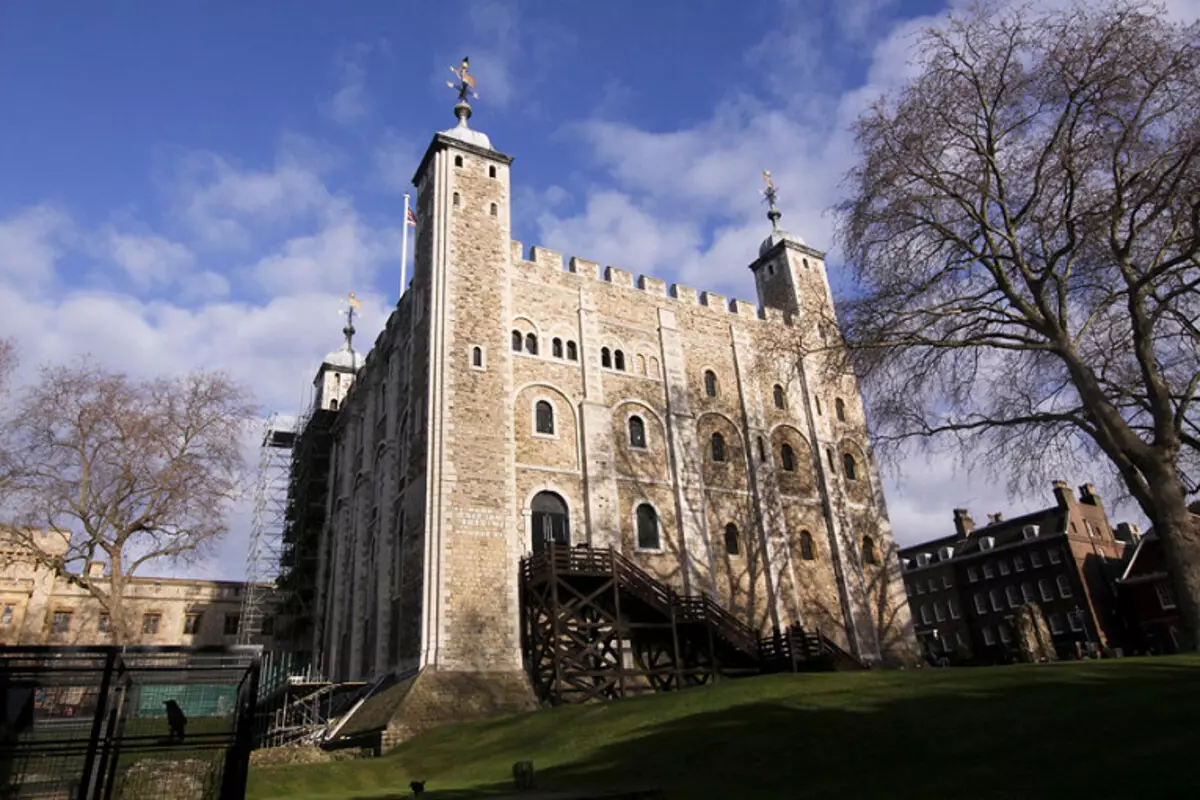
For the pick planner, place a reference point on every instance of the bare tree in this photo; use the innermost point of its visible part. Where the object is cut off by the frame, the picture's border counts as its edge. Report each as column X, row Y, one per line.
column 1024, row 225
column 135, row 472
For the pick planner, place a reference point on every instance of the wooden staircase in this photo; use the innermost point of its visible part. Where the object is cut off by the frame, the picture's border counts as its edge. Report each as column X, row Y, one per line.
column 595, row 625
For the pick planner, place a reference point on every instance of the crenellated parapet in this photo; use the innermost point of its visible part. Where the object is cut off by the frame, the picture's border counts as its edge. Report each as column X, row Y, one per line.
column 540, row 260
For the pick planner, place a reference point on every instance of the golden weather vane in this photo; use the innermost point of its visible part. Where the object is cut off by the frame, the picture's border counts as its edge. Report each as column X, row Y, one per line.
column 466, row 81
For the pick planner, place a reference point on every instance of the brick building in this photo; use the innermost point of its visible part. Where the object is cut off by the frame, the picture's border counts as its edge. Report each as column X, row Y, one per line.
column 965, row 590
column 512, row 401
column 1148, row 601
column 40, row 608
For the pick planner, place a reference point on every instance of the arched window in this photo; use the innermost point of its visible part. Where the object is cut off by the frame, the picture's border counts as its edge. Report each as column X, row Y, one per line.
column 805, row 262
column 556, row 347
column 551, row 523
column 458, row 162
column 787, row 458
column 732, row 545
column 848, row 466
column 817, row 401
column 1027, row 592
column 457, row 200
column 647, row 528
column 637, row 432
column 495, row 210
column 572, row 352
column 1047, row 589
column 544, row 413
column 333, row 404
column 710, row 383
column 869, row 554
column 807, row 552
column 491, row 172
column 997, row 600
column 531, row 344
column 641, row 364
column 619, row 360
column 839, row 408
column 605, row 358
column 762, row 449
column 476, row 356
column 780, row 400
column 652, row 367
column 718, row 447
column 1064, row 586
column 517, row 341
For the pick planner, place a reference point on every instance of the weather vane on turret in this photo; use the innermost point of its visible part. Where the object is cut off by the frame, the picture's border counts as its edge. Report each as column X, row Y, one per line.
column 352, row 305
column 770, row 193
column 465, row 87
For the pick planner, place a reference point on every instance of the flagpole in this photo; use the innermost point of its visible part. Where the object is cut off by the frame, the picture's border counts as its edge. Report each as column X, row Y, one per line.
column 404, row 250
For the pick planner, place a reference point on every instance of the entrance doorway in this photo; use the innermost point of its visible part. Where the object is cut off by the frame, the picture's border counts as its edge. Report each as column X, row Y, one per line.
column 551, row 524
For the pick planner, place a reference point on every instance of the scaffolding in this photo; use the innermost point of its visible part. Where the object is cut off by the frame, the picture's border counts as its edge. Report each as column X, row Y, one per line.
column 266, row 530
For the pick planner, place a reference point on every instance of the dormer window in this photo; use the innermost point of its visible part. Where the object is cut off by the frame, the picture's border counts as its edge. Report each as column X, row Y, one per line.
column 987, row 542
column 1030, row 532
column 946, row 553
column 923, row 560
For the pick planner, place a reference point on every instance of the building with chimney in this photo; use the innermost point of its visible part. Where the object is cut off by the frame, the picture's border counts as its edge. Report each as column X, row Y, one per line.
column 991, row 593
column 517, row 402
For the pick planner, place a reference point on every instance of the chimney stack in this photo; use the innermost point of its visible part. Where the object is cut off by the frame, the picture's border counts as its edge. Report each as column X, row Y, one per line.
column 1087, row 494
column 963, row 523
column 1062, row 493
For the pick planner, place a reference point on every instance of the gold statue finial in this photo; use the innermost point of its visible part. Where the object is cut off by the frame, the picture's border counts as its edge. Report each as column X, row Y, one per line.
column 466, row 81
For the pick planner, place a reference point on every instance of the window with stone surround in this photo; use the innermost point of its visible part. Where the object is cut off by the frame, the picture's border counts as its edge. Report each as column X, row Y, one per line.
column 518, row 341
column 762, row 449
column 647, row 528
column 458, row 161
column 491, row 172
column 60, row 622
column 710, row 383
column 849, row 467
column 477, row 357
column 232, row 624
column 996, row 600
column 457, row 200
column 150, row 623
column 6, row 618
column 817, row 401
column 980, row 603
column 619, row 360
column 1056, row 623
column 191, row 623
column 544, row 418
column 1064, row 587
column 531, row 344
column 1166, row 595
column 652, row 367
column 807, row 550
column 870, row 554
column 989, row 636
column 556, row 347
column 1054, row 556
column 718, row 447
column 637, row 433
column 641, row 364
column 1013, row 596
column 780, row 399
column 787, row 458
column 1028, row 593
column 1047, row 589
column 605, row 358
column 572, row 352
column 732, row 545
column 495, row 210
column 840, row 409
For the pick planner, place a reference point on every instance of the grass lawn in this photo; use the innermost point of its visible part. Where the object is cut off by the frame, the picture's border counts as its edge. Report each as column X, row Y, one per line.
column 1113, row 729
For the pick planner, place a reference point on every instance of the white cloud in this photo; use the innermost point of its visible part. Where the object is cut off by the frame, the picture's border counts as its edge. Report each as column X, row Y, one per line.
column 351, row 103
column 147, row 259
column 31, row 242
column 395, row 159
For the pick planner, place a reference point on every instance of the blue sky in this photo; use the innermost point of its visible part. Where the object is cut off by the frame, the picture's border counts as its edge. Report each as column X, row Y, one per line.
column 190, row 185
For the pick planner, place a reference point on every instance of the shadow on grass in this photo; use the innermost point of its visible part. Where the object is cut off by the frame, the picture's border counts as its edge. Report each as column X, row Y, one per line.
column 1103, row 730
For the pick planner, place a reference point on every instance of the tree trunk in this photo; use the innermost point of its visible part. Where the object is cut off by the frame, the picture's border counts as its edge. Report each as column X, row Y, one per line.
column 1179, row 531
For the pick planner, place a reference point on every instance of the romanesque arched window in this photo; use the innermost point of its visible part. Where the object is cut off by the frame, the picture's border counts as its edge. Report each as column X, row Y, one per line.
column 647, row 528
column 718, row 447
column 641, row 364
column 605, row 358
column 762, row 449
column 710, row 383
column 732, row 545
column 457, row 200
column 807, row 551
column 637, row 432
column 619, row 360
column 517, row 341
column 531, row 344
column 869, row 554
column 839, row 408
column 780, row 399
column 550, row 520
column 572, row 352
column 556, row 348
column 544, row 416
column 458, row 162
column 787, row 458
column 849, row 467
column 491, row 172
column 476, row 356
column 495, row 210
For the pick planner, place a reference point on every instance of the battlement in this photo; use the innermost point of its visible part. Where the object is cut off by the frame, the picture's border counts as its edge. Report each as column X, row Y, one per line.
column 543, row 259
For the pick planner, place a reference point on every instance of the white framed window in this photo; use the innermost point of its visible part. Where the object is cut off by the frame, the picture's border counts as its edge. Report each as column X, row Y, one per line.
column 933, row 585
column 1064, row 586
column 987, row 542
column 923, row 560
column 946, row 582
column 1030, row 532
column 939, row 611
column 1013, row 596
column 946, row 553
column 1054, row 556
column 958, row 637
column 989, row 571
column 543, row 419
column 980, row 603
column 955, row 613
column 1091, row 531
column 1003, row 565
column 972, row 574
column 478, row 358
column 1047, row 589
column 1019, row 563
column 1035, row 559
column 1166, row 595
column 926, row 617
column 649, row 535
column 989, row 636
column 1005, row 633
column 1028, row 592
column 997, row 600
column 1056, row 623
column 1075, row 621
column 919, row 586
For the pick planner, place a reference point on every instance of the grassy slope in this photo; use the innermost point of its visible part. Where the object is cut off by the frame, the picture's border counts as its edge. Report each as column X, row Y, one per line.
column 1093, row 729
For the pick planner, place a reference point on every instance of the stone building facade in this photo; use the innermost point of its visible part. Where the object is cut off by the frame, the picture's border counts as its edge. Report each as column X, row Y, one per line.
column 966, row 590
column 39, row 608
column 513, row 400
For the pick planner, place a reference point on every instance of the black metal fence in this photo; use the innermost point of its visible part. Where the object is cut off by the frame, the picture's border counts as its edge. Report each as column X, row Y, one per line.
column 126, row 723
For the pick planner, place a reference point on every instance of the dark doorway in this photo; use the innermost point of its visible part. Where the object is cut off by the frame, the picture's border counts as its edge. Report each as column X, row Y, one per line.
column 550, row 521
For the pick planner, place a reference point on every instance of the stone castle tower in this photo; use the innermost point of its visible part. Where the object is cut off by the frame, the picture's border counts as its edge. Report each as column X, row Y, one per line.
column 511, row 402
